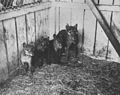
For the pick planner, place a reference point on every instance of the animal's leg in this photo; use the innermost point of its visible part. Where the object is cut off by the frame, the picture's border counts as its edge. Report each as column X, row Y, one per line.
column 76, row 51
column 26, row 66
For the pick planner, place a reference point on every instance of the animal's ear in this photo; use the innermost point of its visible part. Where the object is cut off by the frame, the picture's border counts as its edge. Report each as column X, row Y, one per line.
column 67, row 27
column 76, row 25
column 24, row 44
column 54, row 36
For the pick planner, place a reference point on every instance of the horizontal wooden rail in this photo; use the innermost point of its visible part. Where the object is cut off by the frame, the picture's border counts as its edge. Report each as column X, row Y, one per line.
column 84, row 6
column 11, row 13
column 104, row 25
column 115, row 8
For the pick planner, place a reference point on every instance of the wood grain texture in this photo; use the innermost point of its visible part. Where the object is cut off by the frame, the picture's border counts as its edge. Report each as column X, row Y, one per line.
column 89, row 32
column 77, row 18
column 38, row 24
column 30, row 27
column 3, row 59
column 21, row 32
column 11, row 41
column 104, row 25
column 24, row 10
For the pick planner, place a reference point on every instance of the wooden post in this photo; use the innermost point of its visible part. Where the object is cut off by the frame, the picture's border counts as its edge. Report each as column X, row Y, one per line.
column 104, row 25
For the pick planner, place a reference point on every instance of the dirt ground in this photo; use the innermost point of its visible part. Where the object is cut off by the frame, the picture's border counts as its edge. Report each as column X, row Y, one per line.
column 81, row 76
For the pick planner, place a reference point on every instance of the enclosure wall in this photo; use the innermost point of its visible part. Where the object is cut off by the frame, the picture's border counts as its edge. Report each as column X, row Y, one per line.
column 93, row 40
column 26, row 24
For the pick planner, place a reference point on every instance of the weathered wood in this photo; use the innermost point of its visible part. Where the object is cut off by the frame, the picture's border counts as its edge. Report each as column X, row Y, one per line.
column 82, row 6
column 102, row 44
column 108, row 50
column 24, row 10
column 78, row 1
column 10, row 33
column 43, row 24
column 56, row 19
column 35, row 24
column 46, row 26
column 115, row 8
column 70, row 5
column 64, row 17
column 48, row 23
column 89, row 32
column 101, row 39
column 104, row 25
column 59, row 18
column 38, row 24
column 117, row 2
column 108, row 2
column 77, row 18
column 17, row 40
column 51, row 22
column 83, row 25
column 3, row 59
column 115, row 26
column 30, row 27
column 21, row 31
column 94, row 47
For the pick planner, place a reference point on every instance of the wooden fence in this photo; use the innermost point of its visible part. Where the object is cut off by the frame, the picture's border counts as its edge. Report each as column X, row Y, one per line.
column 31, row 21
column 18, row 26
column 92, row 37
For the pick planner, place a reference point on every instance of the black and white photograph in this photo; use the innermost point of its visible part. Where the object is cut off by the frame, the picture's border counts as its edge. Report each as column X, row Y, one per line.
column 59, row 47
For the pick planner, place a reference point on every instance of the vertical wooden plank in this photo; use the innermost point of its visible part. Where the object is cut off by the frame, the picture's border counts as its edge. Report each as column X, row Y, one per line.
column 46, row 30
column 35, row 24
column 55, row 13
column 51, row 22
column 64, row 17
column 96, row 1
column 30, row 27
column 9, row 26
column 38, row 24
column 21, row 31
column 26, row 23
column 3, row 59
column 57, row 19
column 17, row 40
column 117, row 2
column 101, row 39
column 94, row 47
column 89, row 32
column 77, row 18
column 46, row 26
column 112, row 54
column 82, row 45
column 43, row 16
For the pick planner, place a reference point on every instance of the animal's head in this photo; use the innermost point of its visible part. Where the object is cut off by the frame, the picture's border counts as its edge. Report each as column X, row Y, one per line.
column 42, row 43
column 28, row 49
column 72, row 32
column 57, row 42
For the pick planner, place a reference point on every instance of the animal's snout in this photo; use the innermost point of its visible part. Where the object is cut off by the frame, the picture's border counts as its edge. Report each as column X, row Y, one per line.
column 29, row 53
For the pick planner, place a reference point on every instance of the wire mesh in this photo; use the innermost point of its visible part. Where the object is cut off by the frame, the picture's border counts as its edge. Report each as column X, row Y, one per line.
column 7, row 4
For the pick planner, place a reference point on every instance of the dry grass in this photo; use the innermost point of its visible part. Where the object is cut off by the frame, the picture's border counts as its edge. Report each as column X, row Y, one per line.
column 82, row 77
